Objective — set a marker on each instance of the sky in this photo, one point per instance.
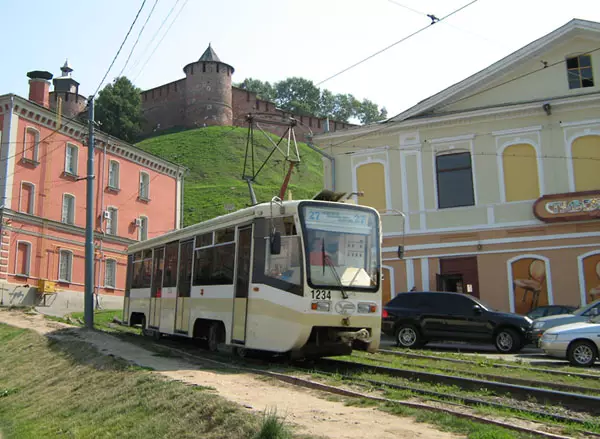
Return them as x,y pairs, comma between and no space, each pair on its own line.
275,39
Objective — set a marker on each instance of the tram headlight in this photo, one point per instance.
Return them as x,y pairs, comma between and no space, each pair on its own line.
366,308
320,306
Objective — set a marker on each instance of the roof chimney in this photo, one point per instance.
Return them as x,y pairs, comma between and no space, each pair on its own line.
39,87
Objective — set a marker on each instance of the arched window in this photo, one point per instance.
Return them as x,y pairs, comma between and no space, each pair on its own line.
585,152
110,273
520,171
31,144
370,179
65,265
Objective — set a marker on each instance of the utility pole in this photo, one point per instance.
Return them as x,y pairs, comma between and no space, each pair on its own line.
88,314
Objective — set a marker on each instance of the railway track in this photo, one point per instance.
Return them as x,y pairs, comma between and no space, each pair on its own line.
254,367
574,401
501,378
594,376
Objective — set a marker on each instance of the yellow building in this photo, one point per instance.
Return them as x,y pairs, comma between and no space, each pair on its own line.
498,177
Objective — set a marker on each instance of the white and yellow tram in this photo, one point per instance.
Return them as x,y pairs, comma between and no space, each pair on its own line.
297,277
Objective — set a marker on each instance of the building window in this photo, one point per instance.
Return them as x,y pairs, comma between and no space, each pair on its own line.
65,265
370,180
31,145
520,172
144,193
579,71
23,255
27,198
143,229
68,209
71,159
585,152
112,220
454,180
113,174
110,273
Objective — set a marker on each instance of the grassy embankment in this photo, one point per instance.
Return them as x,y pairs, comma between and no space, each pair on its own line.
215,158
472,430
66,389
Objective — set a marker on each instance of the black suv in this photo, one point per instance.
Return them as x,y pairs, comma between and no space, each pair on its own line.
417,318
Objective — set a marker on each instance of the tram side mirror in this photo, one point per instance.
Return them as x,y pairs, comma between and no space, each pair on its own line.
275,243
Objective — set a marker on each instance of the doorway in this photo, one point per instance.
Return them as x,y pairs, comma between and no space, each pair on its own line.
242,284
459,275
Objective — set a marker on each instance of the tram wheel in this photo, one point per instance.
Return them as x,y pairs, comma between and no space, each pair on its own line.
212,339
241,352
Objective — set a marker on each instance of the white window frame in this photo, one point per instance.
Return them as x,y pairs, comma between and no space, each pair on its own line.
510,277
28,265
62,213
31,208
117,177
36,145
74,158
69,276
141,227
112,223
112,282
142,195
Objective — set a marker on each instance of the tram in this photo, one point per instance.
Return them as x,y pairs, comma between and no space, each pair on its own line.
300,278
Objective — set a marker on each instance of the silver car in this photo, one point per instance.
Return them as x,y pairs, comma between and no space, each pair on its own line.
578,342
582,314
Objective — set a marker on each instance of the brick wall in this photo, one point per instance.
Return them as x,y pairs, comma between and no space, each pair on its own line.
164,105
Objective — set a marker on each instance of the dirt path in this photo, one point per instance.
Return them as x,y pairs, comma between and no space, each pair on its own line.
302,408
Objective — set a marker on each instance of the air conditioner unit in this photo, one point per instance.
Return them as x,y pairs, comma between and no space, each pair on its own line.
137,222
106,215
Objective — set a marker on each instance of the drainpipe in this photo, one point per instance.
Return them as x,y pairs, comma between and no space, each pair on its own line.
101,186
324,154
7,143
181,198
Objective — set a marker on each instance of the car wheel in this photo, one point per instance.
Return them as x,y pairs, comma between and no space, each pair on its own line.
582,353
507,341
407,336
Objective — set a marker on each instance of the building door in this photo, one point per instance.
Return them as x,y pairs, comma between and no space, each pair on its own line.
184,287
459,275
242,284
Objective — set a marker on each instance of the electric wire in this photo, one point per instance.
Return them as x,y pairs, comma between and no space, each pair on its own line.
137,39
136,63
120,48
161,40
397,42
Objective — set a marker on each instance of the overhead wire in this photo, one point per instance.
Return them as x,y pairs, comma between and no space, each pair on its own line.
161,40
138,38
120,48
434,21
135,64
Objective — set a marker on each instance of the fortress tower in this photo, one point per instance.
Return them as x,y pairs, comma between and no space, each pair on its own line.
67,89
208,91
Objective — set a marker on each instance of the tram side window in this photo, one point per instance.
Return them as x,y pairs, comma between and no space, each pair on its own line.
142,269
203,266
170,275
287,264
223,263
214,264
129,278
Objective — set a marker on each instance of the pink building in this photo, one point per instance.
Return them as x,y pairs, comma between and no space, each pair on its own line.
42,206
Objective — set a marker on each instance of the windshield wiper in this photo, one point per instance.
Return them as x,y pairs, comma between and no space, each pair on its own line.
335,275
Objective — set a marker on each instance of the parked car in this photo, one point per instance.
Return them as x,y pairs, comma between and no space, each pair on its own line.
578,342
416,318
550,310
579,315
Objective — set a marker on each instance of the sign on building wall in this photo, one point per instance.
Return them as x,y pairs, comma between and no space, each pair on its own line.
574,206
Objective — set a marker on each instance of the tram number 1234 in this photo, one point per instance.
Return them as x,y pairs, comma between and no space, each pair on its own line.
321,294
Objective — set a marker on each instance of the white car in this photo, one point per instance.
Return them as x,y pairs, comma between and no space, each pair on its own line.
578,342
582,314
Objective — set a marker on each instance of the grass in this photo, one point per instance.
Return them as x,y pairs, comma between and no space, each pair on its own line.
66,389
215,158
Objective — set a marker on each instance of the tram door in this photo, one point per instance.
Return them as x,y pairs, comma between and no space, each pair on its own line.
242,284
158,266
184,286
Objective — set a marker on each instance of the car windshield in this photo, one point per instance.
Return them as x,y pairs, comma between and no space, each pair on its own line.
582,310
341,247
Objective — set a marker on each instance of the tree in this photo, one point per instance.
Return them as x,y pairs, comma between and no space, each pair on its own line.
119,109
263,90
301,96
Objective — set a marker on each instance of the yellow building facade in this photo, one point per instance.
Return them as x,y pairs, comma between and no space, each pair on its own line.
492,186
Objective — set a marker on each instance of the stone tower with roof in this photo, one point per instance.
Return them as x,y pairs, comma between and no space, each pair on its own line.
67,90
208,91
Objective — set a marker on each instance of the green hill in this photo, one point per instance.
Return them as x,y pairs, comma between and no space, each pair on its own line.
215,158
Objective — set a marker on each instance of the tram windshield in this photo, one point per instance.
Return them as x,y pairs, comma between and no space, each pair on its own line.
341,247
